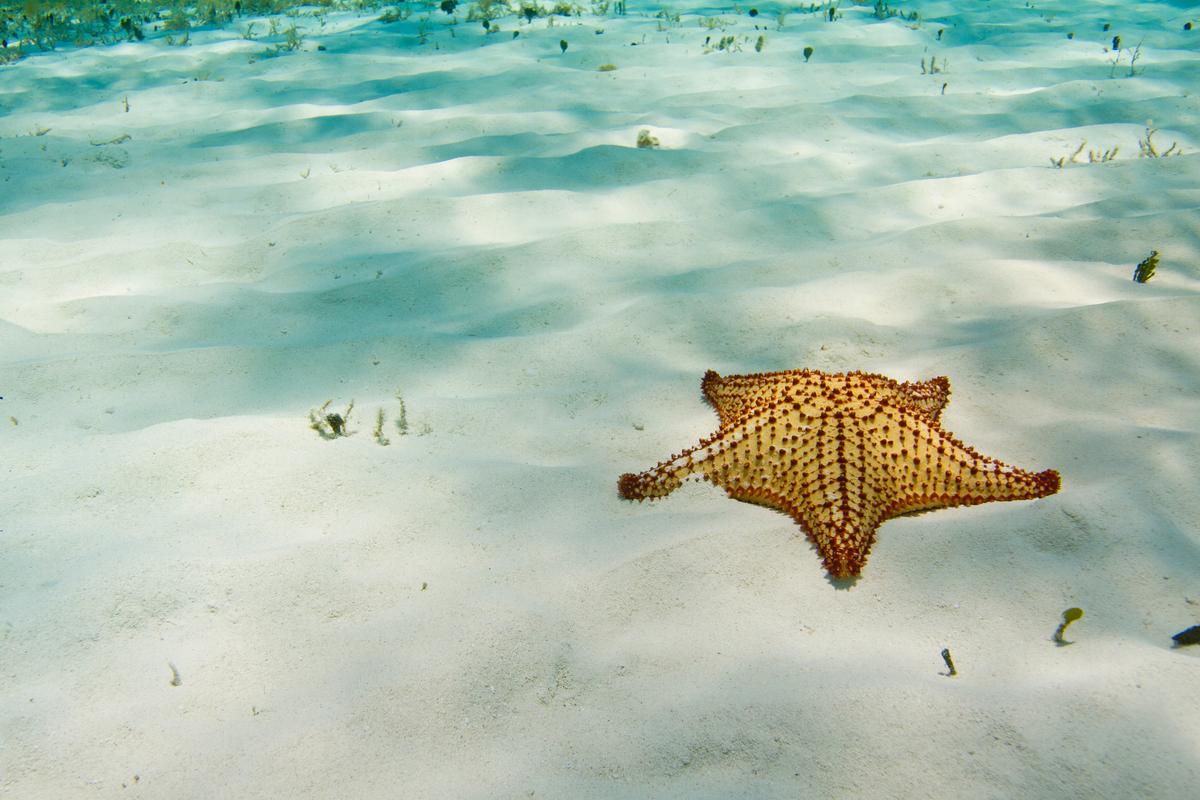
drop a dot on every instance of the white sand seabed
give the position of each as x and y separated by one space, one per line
471 611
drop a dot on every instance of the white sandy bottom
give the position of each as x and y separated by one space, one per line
471 611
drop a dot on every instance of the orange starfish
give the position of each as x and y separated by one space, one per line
840 454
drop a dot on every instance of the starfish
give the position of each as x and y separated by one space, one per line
840 454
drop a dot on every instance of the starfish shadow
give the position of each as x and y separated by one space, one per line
845 584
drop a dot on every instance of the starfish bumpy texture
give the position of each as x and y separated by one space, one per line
838 453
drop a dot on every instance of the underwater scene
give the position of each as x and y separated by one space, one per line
510 398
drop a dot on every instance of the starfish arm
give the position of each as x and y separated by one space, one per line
985 486
737 396
928 468
668 476
842 535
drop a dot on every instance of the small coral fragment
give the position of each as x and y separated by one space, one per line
1145 270
1190 636
329 425
1069 616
